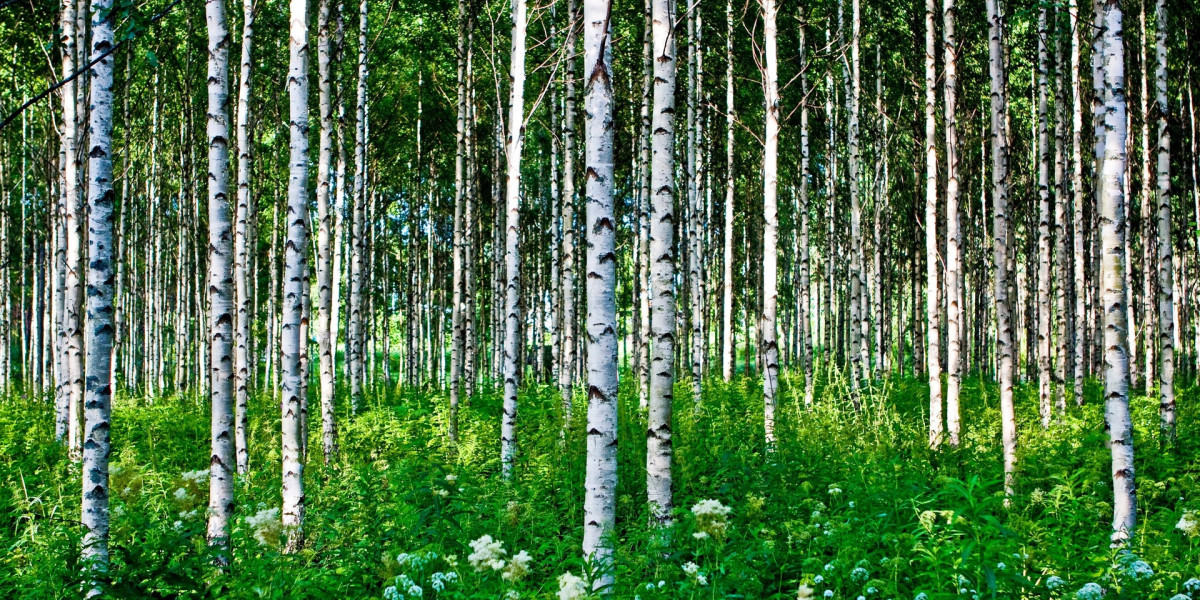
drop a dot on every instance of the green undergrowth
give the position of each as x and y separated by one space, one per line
849 503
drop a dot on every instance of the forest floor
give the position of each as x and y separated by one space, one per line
852 504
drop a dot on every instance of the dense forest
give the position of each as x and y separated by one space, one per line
881 300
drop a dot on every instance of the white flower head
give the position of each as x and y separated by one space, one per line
265 525
182 494
859 575
571 587
804 593
828 593
488 554
1189 523
712 517
1054 582
1192 585
198 476
518 567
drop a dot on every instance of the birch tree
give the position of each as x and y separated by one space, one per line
98 400
325 217
1166 279
932 313
954 313
728 343
662 267
770 345
1005 349
295 283
241 245
220 284
1045 390
566 375
514 137
600 502
64 423
1112 232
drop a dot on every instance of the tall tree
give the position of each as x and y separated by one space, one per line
220 284
1112 232
1045 390
770 345
64 423
325 226
729 345
662 270
804 318
954 294
1079 291
566 374
295 269
97 403
1005 349
1166 280
515 134
600 502
932 313
241 245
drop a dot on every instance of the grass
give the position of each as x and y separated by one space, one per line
849 502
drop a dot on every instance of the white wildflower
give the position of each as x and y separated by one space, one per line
451 478
488 554
1192 585
711 517
1189 523
828 593
859 575
391 593
511 595
442 492
182 494
198 476
1054 582
1139 570
571 587
700 535
819 579
518 567
804 593
266 525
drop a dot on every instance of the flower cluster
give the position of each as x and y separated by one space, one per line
1090 591
712 518
266 526
1189 523
488 554
518 567
571 587
692 570
1054 582
1134 567
198 476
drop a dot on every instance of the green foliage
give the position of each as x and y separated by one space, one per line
850 502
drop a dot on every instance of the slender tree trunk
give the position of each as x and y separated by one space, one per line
512 239
220 285
662 270
456 310
566 374
98 402
859 353
954 313
241 253
1061 229
1078 356
644 205
771 216
932 312
295 279
1166 281
728 350
1112 217
1045 386
67 193
804 318
600 501
355 331
325 241
1005 349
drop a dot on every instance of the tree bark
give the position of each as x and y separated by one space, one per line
1166 280
566 374
932 312
241 251
1005 349
662 270
220 285
770 345
1045 386
954 313
294 275
601 472
512 306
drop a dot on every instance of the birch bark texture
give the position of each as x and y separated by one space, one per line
325 216
97 402
515 134
932 307
768 337
662 266
1005 349
241 245
1112 276
600 483
222 461
954 293
68 190
295 280
1045 384
1166 279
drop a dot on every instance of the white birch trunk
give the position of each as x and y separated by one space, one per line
325 241
770 345
662 269
512 239
1005 350
566 373
1166 280
241 266
1045 389
220 285
64 424
954 313
98 401
600 500
1078 354
728 350
1113 230
804 318
932 307
294 276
